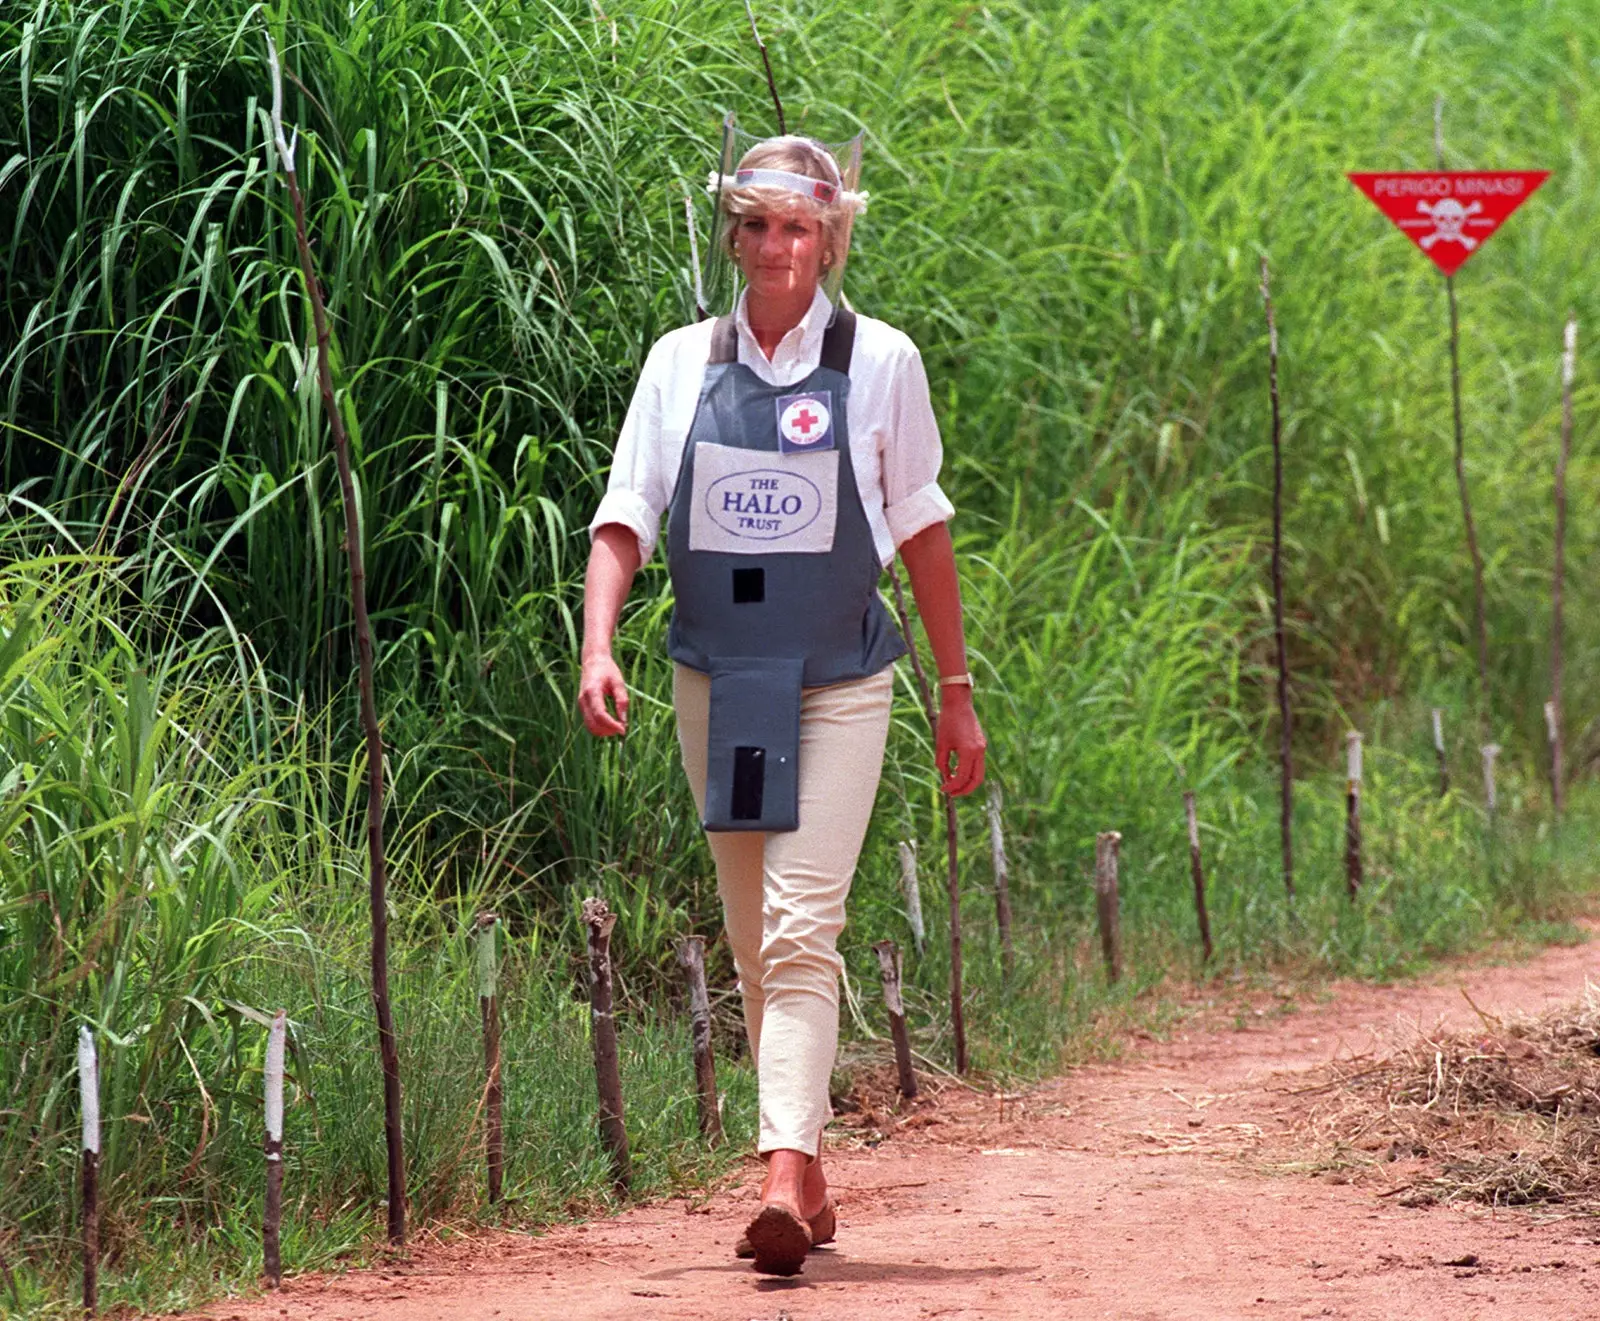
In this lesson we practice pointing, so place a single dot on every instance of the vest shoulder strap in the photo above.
(839, 341)
(724, 342)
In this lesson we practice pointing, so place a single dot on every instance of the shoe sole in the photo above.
(779, 1240)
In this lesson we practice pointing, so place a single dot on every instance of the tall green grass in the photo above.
(1069, 204)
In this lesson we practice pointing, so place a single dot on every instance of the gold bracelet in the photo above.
(962, 680)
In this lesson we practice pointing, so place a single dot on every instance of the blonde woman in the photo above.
(793, 450)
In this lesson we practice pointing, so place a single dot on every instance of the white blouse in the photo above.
(894, 440)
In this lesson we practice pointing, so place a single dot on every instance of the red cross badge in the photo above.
(805, 422)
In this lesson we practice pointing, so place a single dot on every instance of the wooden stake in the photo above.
(692, 955)
(911, 888)
(1002, 879)
(1107, 901)
(1353, 872)
(889, 967)
(599, 919)
(1480, 623)
(494, 1140)
(272, 1218)
(1285, 717)
(89, 1099)
(378, 902)
(1569, 368)
(1197, 872)
(958, 1023)
(1438, 748)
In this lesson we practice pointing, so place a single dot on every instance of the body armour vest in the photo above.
(774, 570)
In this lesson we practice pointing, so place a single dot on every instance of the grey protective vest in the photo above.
(774, 570)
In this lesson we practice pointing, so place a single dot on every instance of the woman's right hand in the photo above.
(602, 681)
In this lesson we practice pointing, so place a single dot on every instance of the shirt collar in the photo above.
(803, 343)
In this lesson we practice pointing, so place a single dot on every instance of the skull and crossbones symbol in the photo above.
(1449, 220)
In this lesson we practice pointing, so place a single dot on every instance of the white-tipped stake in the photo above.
(1490, 751)
(488, 964)
(889, 971)
(1002, 876)
(89, 1097)
(89, 1090)
(276, 1036)
(692, 958)
(1438, 750)
(1108, 901)
(1354, 870)
(272, 1218)
(494, 1146)
(911, 889)
(1197, 870)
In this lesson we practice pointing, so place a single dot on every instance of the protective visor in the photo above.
(838, 199)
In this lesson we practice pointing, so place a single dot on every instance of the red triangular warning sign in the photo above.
(1449, 214)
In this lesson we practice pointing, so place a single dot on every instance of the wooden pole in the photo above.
(1281, 643)
(1353, 871)
(599, 920)
(1002, 878)
(378, 903)
(889, 967)
(911, 888)
(1480, 622)
(272, 1217)
(692, 956)
(1438, 748)
(494, 1092)
(958, 1024)
(1107, 901)
(89, 1098)
(1197, 872)
(1569, 368)
(766, 63)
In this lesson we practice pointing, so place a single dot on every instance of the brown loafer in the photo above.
(779, 1239)
(824, 1226)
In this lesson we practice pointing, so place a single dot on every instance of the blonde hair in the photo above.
(796, 155)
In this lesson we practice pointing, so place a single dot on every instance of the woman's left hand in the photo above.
(959, 743)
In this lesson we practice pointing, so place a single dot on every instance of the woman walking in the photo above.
(793, 449)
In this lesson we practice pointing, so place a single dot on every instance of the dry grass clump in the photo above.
(1505, 1116)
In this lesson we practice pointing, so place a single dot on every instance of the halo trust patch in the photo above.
(805, 422)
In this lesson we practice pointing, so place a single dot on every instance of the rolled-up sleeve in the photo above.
(639, 489)
(912, 454)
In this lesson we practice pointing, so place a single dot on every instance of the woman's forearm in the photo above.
(930, 562)
(613, 561)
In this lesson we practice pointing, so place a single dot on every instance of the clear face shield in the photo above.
(835, 201)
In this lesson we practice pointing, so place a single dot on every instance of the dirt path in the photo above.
(1115, 1192)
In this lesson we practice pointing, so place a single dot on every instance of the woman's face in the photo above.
(780, 252)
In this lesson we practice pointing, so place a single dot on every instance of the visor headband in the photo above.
(817, 190)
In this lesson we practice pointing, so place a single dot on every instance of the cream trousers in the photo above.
(783, 894)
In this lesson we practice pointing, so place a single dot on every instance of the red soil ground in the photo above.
(1134, 1190)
